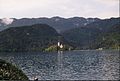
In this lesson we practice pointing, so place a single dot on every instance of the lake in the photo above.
(68, 65)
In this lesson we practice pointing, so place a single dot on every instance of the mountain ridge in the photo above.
(85, 36)
(58, 23)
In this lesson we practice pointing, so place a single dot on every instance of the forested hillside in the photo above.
(29, 38)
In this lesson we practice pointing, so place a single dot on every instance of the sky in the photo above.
(63, 8)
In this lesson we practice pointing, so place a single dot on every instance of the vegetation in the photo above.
(29, 38)
(103, 34)
(40, 37)
(10, 72)
(110, 39)
(56, 48)
(58, 23)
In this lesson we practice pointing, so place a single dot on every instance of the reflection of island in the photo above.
(60, 63)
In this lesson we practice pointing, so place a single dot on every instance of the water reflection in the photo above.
(60, 64)
(71, 65)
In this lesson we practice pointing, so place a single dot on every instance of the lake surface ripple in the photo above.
(69, 65)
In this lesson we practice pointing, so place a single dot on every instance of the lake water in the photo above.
(69, 65)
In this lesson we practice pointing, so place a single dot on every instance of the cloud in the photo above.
(108, 2)
(64, 8)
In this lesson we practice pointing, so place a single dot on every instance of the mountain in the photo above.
(100, 34)
(109, 39)
(79, 32)
(58, 23)
(29, 38)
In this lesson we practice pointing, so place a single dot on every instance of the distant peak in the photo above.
(57, 18)
(7, 21)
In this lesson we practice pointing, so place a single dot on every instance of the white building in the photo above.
(58, 43)
(61, 46)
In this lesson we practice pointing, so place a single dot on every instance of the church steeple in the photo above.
(59, 44)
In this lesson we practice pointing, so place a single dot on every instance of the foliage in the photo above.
(28, 38)
(10, 72)
(103, 34)
(56, 48)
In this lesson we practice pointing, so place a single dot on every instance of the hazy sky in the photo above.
(63, 8)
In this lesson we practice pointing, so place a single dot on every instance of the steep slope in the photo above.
(10, 72)
(58, 23)
(28, 38)
(109, 39)
(88, 37)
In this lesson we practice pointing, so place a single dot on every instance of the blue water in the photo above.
(69, 65)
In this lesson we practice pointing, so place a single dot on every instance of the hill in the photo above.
(29, 38)
(58, 23)
(95, 35)
(109, 39)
